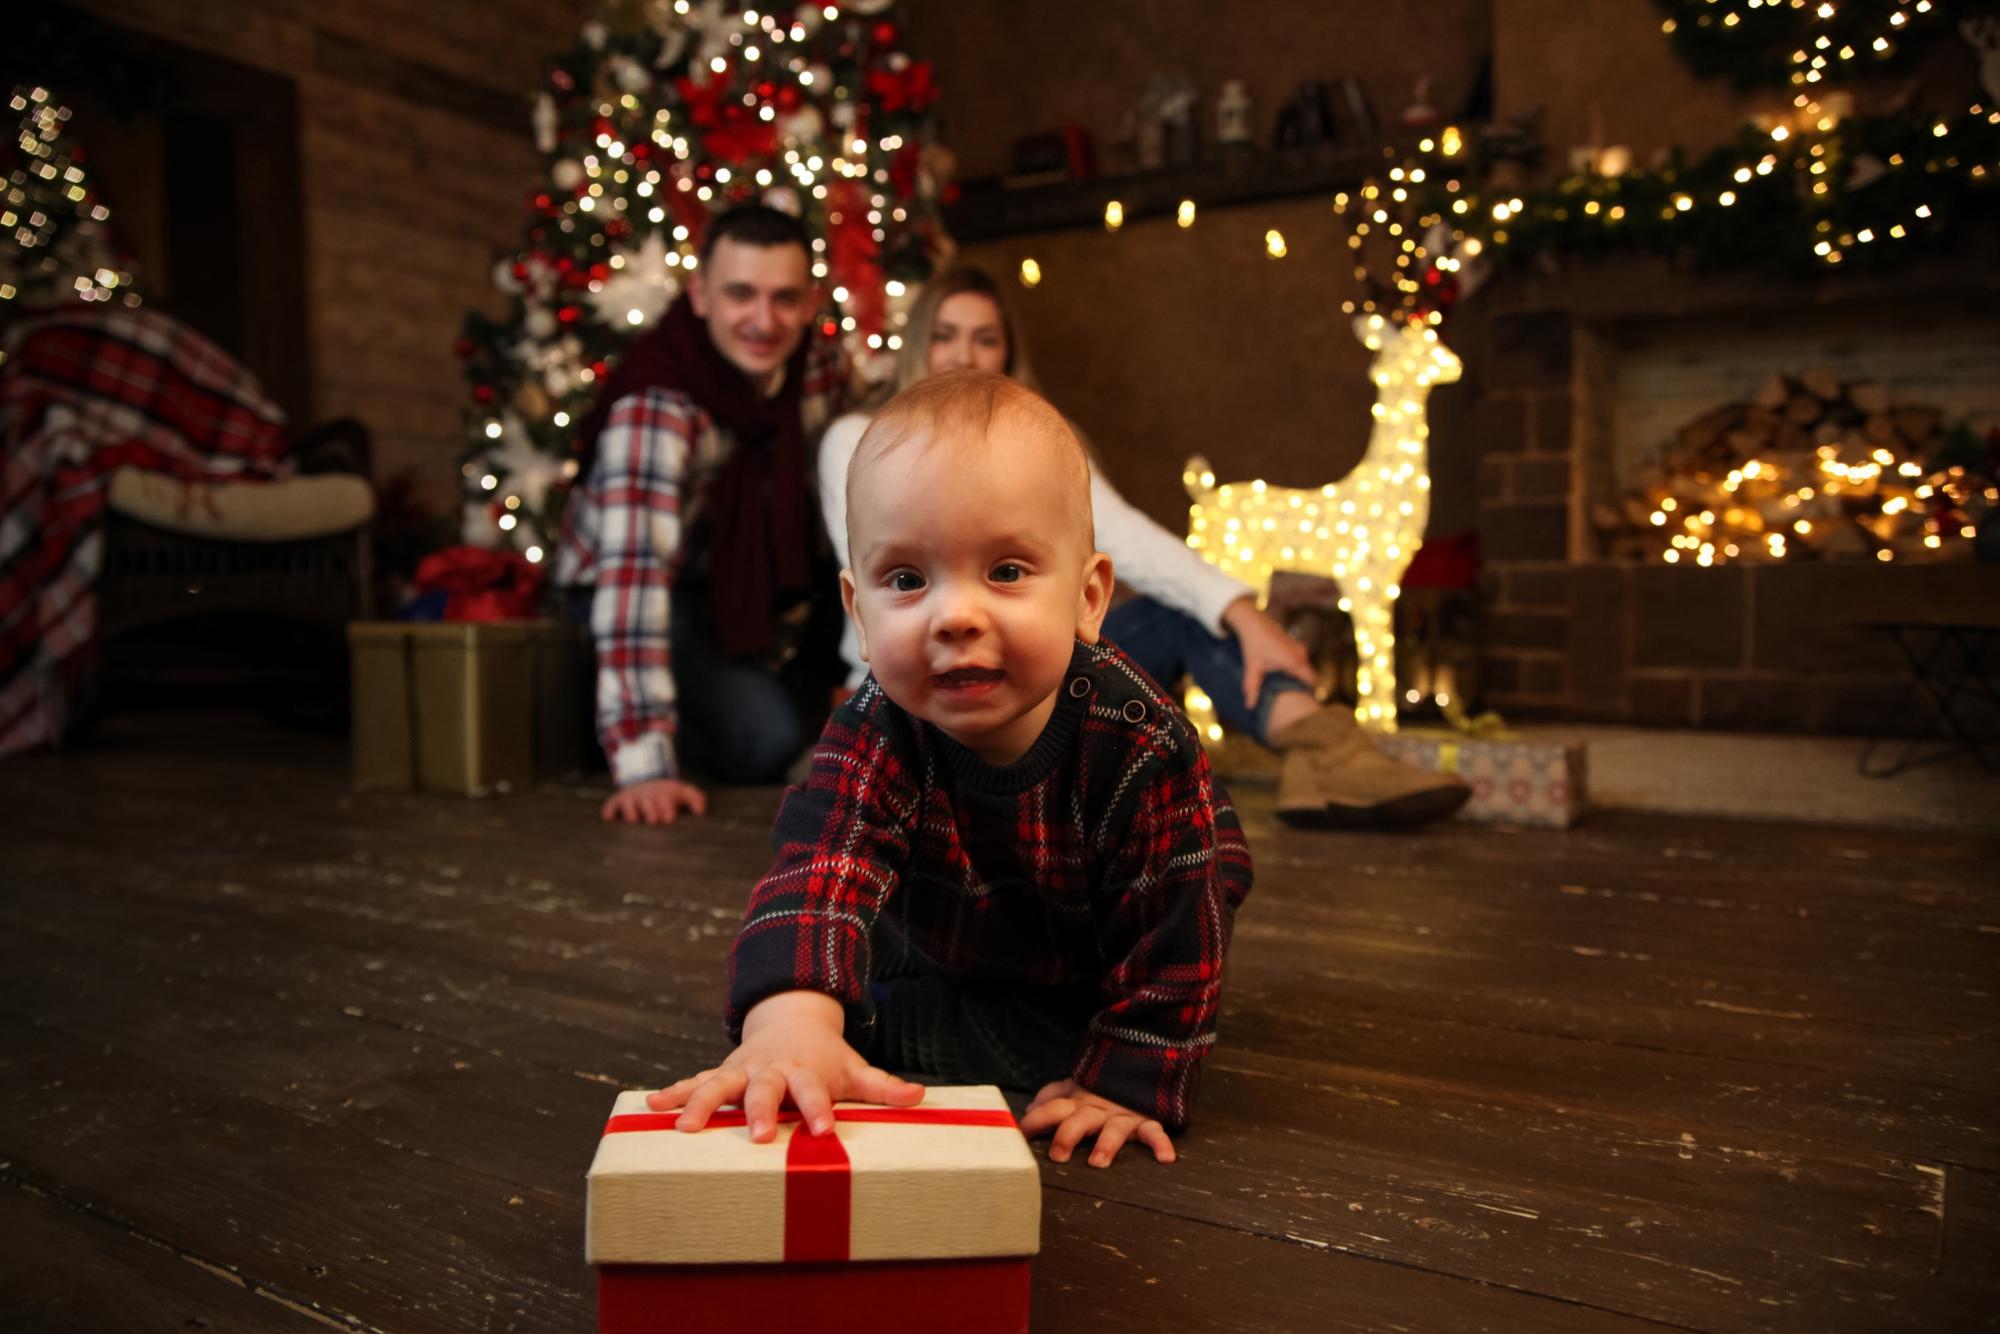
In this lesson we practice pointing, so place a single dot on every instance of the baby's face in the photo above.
(973, 573)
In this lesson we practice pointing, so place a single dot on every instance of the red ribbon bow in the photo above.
(701, 100)
(741, 137)
(909, 88)
(481, 584)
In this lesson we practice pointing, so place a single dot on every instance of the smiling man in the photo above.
(690, 545)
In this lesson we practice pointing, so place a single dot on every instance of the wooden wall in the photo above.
(1604, 72)
(416, 160)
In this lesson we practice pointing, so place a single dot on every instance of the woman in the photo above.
(1189, 618)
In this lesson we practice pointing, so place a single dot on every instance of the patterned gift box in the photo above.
(899, 1215)
(1514, 780)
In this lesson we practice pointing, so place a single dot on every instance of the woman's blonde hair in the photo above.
(913, 362)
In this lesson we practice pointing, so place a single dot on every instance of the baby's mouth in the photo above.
(968, 678)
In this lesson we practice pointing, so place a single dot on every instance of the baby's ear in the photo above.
(847, 601)
(1095, 599)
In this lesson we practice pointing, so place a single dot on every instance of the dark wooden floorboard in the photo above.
(66, 1270)
(1972, 1220)
(277, 1054)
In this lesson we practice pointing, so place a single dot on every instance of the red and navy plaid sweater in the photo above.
(1106, 857)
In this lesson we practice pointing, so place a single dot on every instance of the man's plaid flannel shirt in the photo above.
(1108, 857)
(658, 458)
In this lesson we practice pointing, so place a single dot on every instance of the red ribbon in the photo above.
(819, 1198)
(741, 137)
(854, 255)
(819, 1179)
(703, 100)
(910, 88)
(480, 584)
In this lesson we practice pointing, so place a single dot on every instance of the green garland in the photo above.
(1893, 186)
(1796, 195)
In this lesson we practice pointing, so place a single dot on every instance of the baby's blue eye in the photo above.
(1006, 574)
(906, 581)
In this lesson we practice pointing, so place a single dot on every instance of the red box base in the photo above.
(967, 1296)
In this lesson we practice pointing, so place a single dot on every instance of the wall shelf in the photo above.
(987, 210)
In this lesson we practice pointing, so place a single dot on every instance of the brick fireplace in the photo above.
(1572, 633)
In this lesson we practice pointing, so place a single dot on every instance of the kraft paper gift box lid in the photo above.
(951, 1178)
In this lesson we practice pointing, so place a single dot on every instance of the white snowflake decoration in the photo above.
(639, 291)
(525, 471)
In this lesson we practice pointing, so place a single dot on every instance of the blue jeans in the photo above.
(1168, 645)
(738, 723)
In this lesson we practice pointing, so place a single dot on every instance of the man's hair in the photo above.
(755, 225)
(961, 408)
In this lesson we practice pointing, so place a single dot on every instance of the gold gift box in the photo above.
(465, 707)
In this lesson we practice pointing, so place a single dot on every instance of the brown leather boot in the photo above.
(1333, 777)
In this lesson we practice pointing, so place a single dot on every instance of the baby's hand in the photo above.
(1075, 1112)
(792, 1052)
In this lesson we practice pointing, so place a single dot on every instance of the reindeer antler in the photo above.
(1412, 262)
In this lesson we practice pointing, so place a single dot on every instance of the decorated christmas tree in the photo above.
(662, 114)
(55, 244)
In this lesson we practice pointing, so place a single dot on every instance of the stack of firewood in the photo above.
(1814, 466)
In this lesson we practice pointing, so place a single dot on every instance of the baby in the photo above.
(1010, 863)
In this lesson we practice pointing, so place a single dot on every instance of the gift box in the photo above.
(464, 707)
(1514, 780)
(918, 1217)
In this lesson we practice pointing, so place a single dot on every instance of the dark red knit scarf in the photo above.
(758, 524)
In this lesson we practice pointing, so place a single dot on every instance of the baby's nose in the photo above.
(959, 617)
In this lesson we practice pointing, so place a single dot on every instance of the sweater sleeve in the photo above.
(841, 841)
(836, 451)
(1174, 885)
(1155, 562)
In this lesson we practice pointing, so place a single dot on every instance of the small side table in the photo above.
(1947, 659)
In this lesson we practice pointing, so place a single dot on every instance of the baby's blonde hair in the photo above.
(961, 409)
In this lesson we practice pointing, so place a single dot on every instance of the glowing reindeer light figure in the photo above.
(1360, 531)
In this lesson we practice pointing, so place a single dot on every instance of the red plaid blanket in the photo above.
(84, 392)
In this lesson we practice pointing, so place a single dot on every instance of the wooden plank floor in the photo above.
(277, 1056)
